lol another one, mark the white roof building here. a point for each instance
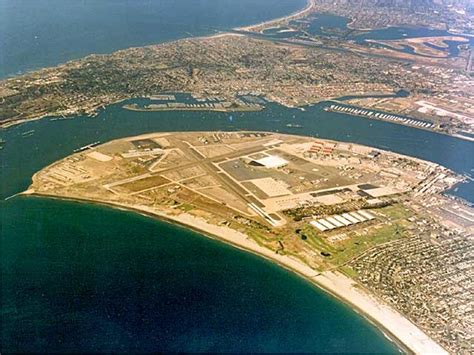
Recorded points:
(272, 162)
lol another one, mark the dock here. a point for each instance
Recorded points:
(355, 111)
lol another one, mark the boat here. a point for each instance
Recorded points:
(377, 115)
(28, 133)
(292, 125)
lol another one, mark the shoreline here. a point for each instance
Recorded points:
(410, 338)
(405, 334)
(12, 124)
(309, 5)
(198, 109)
(450, 134)
(93, 110)
(217, 33)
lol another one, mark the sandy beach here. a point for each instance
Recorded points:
(407, 333)
(309, 6)
(391, 322)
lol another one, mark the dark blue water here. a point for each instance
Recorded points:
(40, 33)
(84, 278)
(87, 278)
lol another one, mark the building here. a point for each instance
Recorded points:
(271, 162)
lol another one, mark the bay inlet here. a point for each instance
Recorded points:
(48, 223)
(89, 278)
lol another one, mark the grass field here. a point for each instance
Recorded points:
(392, 227)
(143, 184)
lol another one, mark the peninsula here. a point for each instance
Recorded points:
(283, 61)
(369, 226)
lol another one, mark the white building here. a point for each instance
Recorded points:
(272, 162)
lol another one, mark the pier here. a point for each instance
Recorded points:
(356, 111)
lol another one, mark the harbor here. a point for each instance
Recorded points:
(194, 102)
(114, 122)
(376, 115)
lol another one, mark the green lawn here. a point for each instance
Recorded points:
(343, 251)
(395, 212)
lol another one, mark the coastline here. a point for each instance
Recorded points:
(7, 125)
(399, 329)
(93, 109)
(309, 6)
(450, 134)
(200, 109)
(393, 324)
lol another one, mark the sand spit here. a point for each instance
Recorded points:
(391, 322)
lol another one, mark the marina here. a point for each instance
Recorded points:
(355, 111)
(210, 221)
(193, 102)
(49, 136)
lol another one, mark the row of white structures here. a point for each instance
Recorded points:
(384, 116)
(342, 220)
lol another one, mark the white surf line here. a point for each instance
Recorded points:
(9, 197)
(309, 5)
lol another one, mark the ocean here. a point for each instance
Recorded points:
(86, 278)
(83, 278)
(40, 33)
(89, 278)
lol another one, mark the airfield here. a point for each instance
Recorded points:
(321, 201)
